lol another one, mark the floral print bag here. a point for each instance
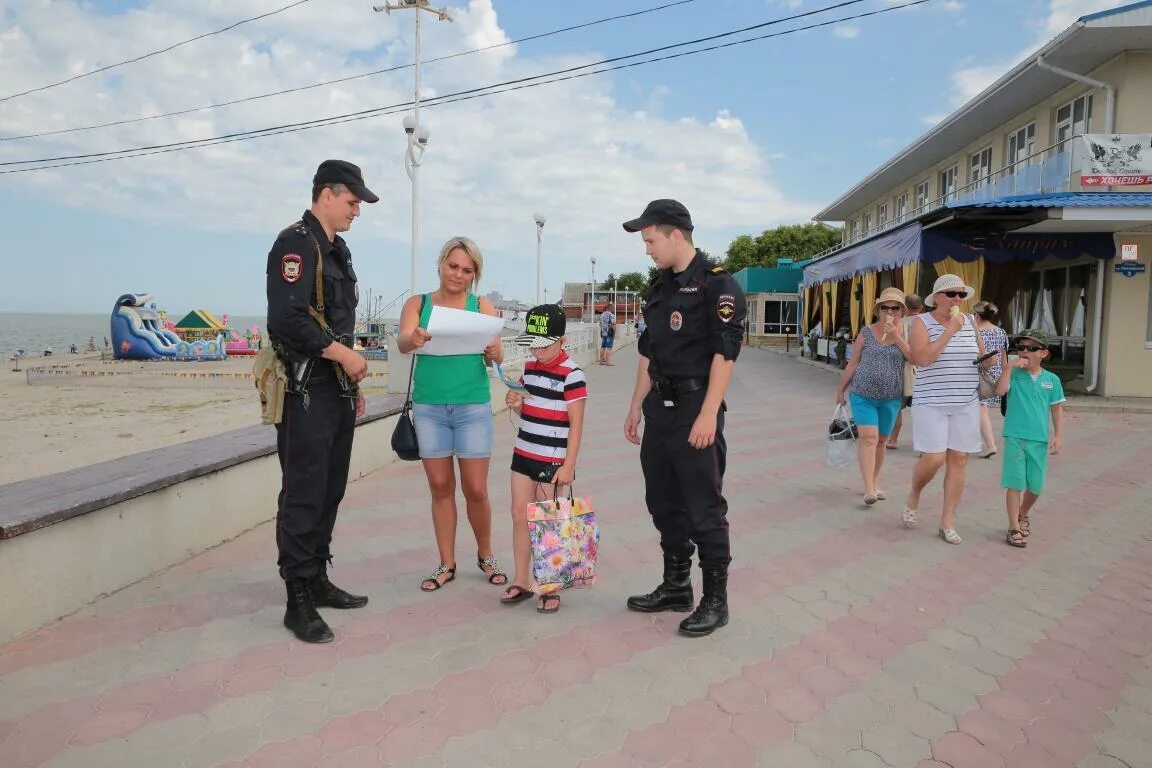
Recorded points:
(564, 536)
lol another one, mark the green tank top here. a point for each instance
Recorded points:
(450, 379)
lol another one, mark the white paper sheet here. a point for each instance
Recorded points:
(458, 332)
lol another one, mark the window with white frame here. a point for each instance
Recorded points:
(882, 215)
(980, 167)
(780, 317)
(948, 183)
(1074, 118)
(867, 223)
(854, 230)
(922, 192)
(901, 207)
(1021, 145)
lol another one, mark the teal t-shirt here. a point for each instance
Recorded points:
(450, 379)
(1030, 404)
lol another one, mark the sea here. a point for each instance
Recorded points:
(36, 332)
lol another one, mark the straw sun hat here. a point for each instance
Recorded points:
(948, 283)
(892, 294)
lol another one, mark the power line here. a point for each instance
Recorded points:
(373, 110)
(452, 98)
(153, 53)
(349, 78)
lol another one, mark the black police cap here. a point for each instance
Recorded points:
(669, 212)
(343, 172)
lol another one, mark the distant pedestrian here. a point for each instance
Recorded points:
(607, 336)
(995, 340)
(1035, 399)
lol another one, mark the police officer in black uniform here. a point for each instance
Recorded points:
(695, 324)
(312, 332)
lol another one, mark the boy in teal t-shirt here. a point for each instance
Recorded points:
(1035, 398)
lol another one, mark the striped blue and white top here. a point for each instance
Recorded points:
(952, 379)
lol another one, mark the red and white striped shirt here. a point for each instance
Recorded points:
(544, 418)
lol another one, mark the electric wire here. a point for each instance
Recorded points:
(467, 95)
(349, 78)
(142, 57)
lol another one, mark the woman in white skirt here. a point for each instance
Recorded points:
(945, 402)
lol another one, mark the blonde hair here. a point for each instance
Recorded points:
(470, 248)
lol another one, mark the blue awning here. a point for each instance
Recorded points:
(1001, 247)
(890, 250)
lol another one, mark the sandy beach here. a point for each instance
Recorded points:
(81, 410)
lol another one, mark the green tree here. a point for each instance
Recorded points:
(790, 241)
(631, 281)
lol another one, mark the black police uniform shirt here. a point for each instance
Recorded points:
(691, 317)
(292, 288)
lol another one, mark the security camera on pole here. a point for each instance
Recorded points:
(418, 136)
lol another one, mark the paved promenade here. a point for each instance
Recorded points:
(853, 642)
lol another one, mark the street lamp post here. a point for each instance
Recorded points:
(592, 297)
(418, 135)
(540, 219)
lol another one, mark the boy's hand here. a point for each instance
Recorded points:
(1054, 448)
(514, 400)
(1020, 363)
(565, 475)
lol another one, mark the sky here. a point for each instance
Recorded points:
(748, 137)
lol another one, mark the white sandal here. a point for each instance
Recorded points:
(949, 535)
(870, 499)
(881, 496)
(909, 518)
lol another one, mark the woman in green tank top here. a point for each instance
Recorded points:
(452, 412)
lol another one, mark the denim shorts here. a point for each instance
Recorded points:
(463, 431)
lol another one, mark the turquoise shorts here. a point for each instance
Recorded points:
(1025, 465)
(870, 412)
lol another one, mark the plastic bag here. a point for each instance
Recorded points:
(841, 438)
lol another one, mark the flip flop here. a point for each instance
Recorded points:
(552, 598)
(516, 594)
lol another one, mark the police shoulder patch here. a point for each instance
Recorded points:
(726, 307)
(290, 267)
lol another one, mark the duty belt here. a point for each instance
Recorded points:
(684, 386)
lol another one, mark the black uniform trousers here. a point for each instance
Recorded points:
(315, 448)
(683, 484)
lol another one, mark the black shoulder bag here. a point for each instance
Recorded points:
(404, 441)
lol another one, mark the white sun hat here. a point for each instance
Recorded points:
(948, 283)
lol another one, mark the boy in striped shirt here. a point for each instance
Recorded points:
(551, 424)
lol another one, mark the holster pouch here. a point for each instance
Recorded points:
(271, 379)
(669, 397)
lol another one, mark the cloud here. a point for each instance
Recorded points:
(970, 81)
(573, 151)
(846, 32)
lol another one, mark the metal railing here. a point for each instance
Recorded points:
(1051, 175)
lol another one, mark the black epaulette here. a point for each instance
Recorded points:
(299, 227)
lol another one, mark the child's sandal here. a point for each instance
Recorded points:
(1025, 526)
(1016, 538)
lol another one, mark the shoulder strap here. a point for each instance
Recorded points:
(317, 311)
(412, 370)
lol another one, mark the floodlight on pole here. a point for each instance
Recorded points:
(540, 219)
(418, 134)
(592, 300)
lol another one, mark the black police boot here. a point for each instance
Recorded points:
(325, 593)
(712, 613)
(301, 616)
(674, 593)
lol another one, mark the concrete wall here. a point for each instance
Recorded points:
(1126, 362)
(54, 571)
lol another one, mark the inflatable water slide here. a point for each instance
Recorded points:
(137, 332)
